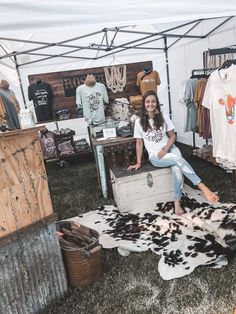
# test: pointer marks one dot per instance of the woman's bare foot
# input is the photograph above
(178, 209)
(209, 195)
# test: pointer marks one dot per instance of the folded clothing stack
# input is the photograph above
(125, 131)
(79, 112)
(81, 145)
(63, 114)
(66, 148)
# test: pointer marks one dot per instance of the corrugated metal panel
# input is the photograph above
(31, 272)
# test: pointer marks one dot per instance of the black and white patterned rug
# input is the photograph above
(204, 235)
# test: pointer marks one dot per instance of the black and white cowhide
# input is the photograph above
(204, 235)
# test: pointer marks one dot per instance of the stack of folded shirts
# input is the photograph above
(66, 148)
(81, 145)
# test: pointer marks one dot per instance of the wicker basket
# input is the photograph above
(83, 265)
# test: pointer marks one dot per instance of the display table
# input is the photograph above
(110, 153)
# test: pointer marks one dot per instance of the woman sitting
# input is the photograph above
(156, 131)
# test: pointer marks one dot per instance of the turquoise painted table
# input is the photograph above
(108, 154)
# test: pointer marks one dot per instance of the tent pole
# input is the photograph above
(167, 75)
(19, 79)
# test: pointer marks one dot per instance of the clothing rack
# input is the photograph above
(222, 51)
(200, 73)
(206, 71)
(203, 71)
(216, 57)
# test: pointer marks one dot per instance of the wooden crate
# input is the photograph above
(24, 193)
(141, 189)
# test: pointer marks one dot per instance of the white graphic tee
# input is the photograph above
(92, 100)
(220, 98)
(154, 140)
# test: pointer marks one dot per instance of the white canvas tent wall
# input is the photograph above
(37, 24)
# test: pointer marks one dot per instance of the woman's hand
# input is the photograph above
(135, 167)
(161, 154)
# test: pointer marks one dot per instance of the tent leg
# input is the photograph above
(167, 75)
(19, 78)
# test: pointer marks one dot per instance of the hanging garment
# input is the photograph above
(41, 94)
(191, 123)
(148, 82)
(198, 103)
(48, 146)
(10, 111)
(120, 109)
(220, 98)
(92, 99)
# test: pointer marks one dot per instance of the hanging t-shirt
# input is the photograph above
(148, 82)
(92, 99)
(154, 140)
(220, 98)
(41, 94)
(10, 111)
(191, 123)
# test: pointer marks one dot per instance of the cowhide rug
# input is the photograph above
(204, 235)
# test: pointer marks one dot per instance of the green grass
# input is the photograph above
(132, 284)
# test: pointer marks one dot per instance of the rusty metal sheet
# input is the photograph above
(32, 272)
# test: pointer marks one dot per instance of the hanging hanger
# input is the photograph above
(227, 64)
(199, 73)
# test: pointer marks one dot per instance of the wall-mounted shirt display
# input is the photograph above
(41, 94)
(148, 82)
(92, 99)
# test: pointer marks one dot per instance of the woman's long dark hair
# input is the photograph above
(158, 118)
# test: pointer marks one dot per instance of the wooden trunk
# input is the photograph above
(24, 192)
(141, 189)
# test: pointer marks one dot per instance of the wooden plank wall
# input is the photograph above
(64, 83)
(24, 192)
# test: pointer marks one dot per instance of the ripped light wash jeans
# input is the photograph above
(179, 167)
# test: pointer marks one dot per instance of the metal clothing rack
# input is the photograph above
(216, 57)
(229, 56)
(203, 71)
(200, 73)
(222, 51)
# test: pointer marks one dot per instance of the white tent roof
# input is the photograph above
(61, 35)
(91, 29)
(32, 15)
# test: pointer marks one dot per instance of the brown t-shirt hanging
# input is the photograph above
(148, 82)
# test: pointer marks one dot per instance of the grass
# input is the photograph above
(132, 285)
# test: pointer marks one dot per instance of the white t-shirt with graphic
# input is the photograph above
(220, 98)
(92, 100)
(154, 140)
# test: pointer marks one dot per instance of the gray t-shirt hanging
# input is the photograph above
(92, 100)
(11, 114)
(191, 123)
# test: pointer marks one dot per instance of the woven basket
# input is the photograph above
(83, 265)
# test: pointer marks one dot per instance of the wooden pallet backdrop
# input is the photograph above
(64, 83)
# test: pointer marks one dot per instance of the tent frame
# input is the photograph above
(108, 48)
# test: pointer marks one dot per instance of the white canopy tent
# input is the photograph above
(38, 37)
